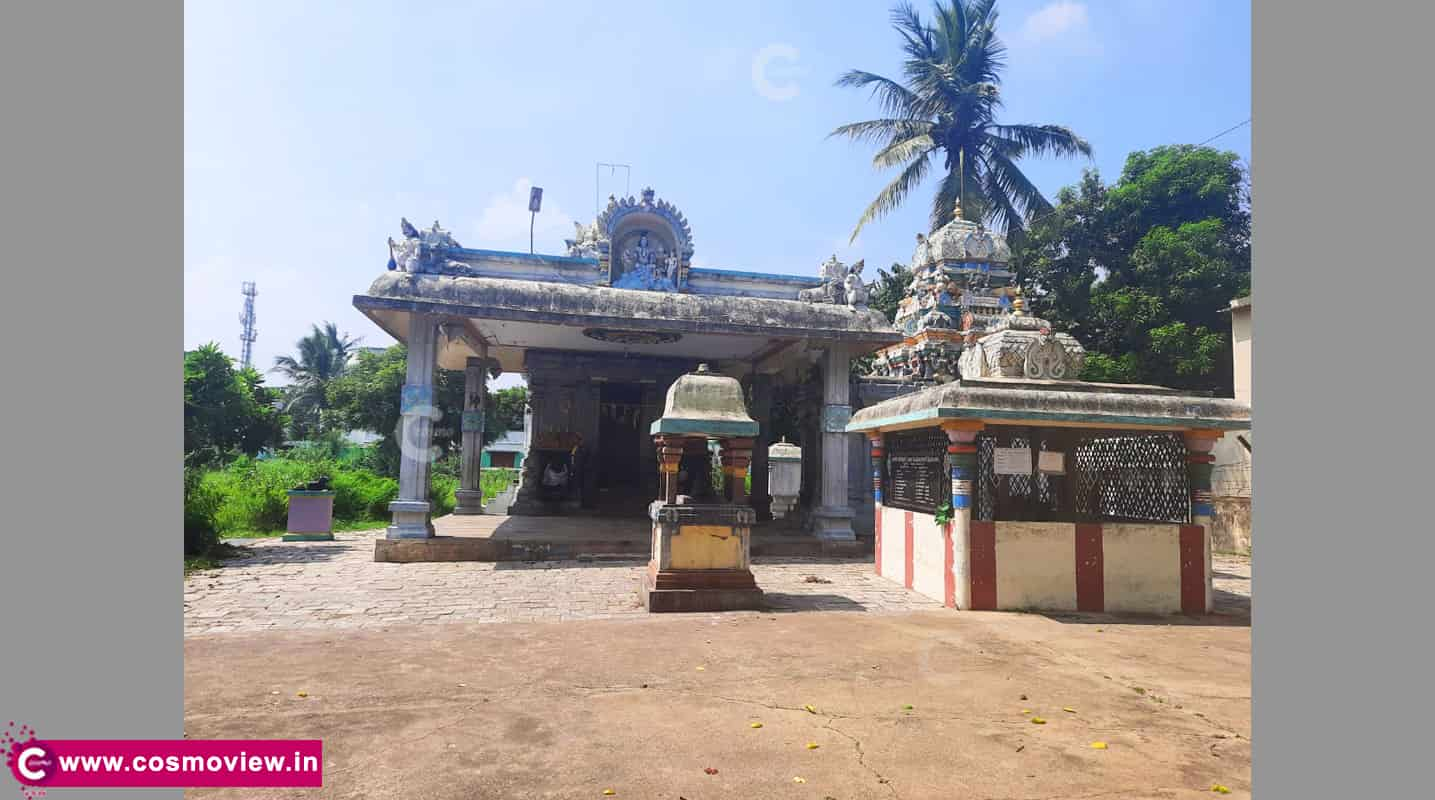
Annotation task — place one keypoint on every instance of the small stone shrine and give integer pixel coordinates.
(700, 554)
(1004, 482)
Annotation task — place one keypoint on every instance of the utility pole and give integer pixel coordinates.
(535, 203)
(247, 334)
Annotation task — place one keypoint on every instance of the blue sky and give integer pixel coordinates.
(310, 129)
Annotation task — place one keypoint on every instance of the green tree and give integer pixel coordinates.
(321, 357)
(889, 289)
(227, 411)
(946, 108)
(366, 397)
(1143, 270)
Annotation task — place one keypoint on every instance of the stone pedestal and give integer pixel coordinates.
(311, 516)
(701, 558)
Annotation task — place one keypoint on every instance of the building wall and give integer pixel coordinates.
(1231, 472)
(1048, 566)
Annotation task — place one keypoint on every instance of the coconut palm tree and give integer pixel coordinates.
(946, 108)
(322, 356)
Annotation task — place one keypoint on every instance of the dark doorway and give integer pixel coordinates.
(620, 435)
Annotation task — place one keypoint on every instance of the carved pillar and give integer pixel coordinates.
(670, 456)
(1199, 462)
(526, 499)
(736, 456)
(876, 440)
(832, 519)
(761, 501)
(962, 462)
(469, 495)
(416, 452)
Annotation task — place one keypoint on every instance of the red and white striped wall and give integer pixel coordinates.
(1048, 566)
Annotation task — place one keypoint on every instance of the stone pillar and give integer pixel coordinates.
(962, 461)
(470, 493)
(736, 456)
(417, 413)
(1199, 461)
(832, 518)
(526, 499)
(876, 440)
(760, 500)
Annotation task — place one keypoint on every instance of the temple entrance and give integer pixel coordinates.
(621, 488)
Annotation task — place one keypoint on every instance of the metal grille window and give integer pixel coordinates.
(1084, 476)
(915, 475)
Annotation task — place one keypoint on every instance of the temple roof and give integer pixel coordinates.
(506, 308)
(1059, 403)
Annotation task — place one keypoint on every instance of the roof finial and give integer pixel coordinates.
(1017, 304)
(957, 211)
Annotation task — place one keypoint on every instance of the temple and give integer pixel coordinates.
(601, 333)
(999, 479)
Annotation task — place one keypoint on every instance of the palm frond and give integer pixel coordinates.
(878, 130)
(1056, 140)
(895, 98)
(894, 193)
(902, 150)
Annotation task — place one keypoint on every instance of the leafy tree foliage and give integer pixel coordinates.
(945, 108)
(1143, 270)
(366, 397)
(227, 411)
(321, 357)
(889, 289)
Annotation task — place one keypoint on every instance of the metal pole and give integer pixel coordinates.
(531, 218)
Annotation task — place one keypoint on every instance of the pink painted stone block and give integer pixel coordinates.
(311, 512)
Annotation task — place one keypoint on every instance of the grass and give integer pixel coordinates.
(340, 526)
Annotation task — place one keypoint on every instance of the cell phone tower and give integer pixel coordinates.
(248, 334)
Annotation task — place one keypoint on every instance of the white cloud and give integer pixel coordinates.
(503, 223)
(1061, 20)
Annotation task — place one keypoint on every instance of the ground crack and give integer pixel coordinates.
(862, 757)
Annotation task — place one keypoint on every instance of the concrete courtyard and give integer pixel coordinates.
(416, 692)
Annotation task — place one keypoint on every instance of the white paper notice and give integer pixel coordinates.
(1051, 462)
(1012, 460)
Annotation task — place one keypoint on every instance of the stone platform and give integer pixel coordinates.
(522, 538)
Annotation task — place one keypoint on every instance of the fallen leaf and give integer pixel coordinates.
(906, 708)
(303, 694)
(710, 770)
(1068, 709)
(1020, 747)
(813, 745)
(1026, 711)
(702, 669)
(1219, 789)
(609, 791)
(1023, 697)
(809, 708)
(755, 725)
(799, 780)
(1038, 721)
(1098, 745)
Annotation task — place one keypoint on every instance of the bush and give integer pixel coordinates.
(201, 504)
(441, 489)
(360, 494)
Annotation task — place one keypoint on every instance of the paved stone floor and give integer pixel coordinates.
(327, 585)
(313, 585)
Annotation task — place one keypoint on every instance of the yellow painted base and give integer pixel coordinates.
(706, 547)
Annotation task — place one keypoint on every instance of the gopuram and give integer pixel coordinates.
(601, 333)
